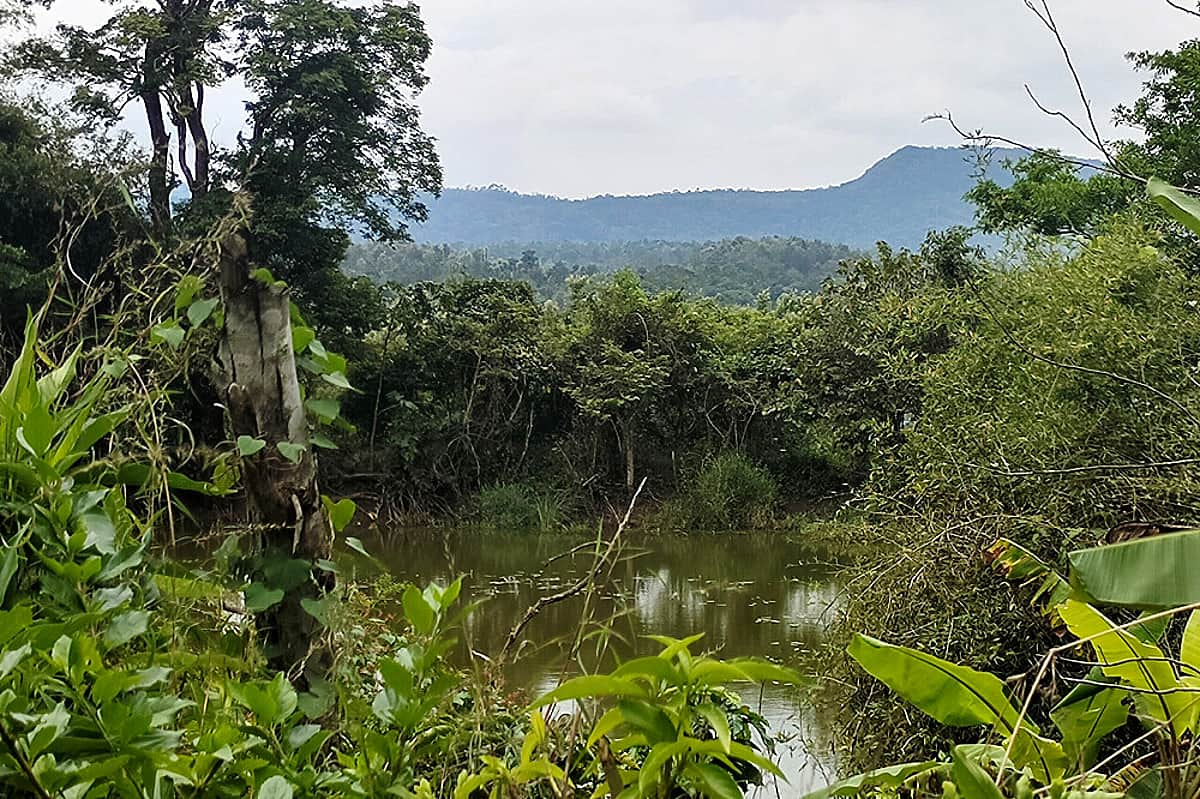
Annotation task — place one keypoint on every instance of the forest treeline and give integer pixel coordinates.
(945, 397)
(736, 271)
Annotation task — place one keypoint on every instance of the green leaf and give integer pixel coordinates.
(340, 513)
(186, 290)
(611, 719)
(417, 611)
(1183, 207)
(1189, 650)
(719, 722)
(248, 445)
(125, 627)
(336, 379)
(1085, 718)
(653, 667)
(972, 781)
(590, 686)
(886, 777)
(290, 451)
(652, 768)
(9, 562)
(322, 441)
(954, 695)
(259, 597)
(648, 720)
(275, 788)
(713, 781)
(757, 670)
(1134, 662)
(271, 701)
(1023, 566)
(170, 333)
(326, 409)
(1151, 573)
(263, 275)
(357, 545)
(302, 337)
(319, 608)
(199, 311)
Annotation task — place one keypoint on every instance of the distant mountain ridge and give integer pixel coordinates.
(898, 199)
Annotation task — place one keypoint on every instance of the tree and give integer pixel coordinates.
(333, 142)
(54, 208)
(163, 56)
(1051, 196)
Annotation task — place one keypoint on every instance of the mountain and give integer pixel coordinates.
(899, 199)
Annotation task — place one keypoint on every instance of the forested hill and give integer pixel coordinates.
(899, 199)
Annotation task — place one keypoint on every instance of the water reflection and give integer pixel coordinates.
(750, 594)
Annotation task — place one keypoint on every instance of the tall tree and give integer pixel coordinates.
(334, 141)
(162, 56)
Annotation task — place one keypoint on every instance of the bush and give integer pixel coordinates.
(730, 492)
(518, 507)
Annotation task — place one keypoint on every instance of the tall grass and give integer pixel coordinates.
(518, 507)
(730, 492)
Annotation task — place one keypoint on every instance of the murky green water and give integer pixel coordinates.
(749, 593)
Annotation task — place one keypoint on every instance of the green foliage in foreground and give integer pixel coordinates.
(1132, 675)
(670, 726)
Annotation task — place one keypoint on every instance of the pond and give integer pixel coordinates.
(759, 594)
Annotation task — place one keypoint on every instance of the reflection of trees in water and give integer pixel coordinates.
(751, 594)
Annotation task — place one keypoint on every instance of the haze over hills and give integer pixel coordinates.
(898, 200)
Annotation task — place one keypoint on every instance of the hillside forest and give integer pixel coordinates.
(224, 366)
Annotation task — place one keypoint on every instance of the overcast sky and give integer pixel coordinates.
(584, 97)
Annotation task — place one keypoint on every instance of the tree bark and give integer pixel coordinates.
(629, 473)
(194, 116)
(264, 402)
(158, 174)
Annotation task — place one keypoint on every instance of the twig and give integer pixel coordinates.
(1183, 8)
(1100, 467)
(987, 138)
(579, 585)
(1047, 19)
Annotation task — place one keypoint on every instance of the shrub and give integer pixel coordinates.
(519, 507)
(729, 493)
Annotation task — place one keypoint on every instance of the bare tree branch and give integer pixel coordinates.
(1047, 19)
(1100, 467)
(986, 139)
(1183, 8)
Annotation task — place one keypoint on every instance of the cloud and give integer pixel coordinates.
(579, 98)
(575, 97)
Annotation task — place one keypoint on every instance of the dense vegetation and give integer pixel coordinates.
(736, 271)
(898, 200)
(171, 369)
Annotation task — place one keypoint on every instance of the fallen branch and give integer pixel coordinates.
(578, 586)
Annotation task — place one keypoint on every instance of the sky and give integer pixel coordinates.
(583, 97)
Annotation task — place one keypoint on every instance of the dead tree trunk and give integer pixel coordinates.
(263, 400)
